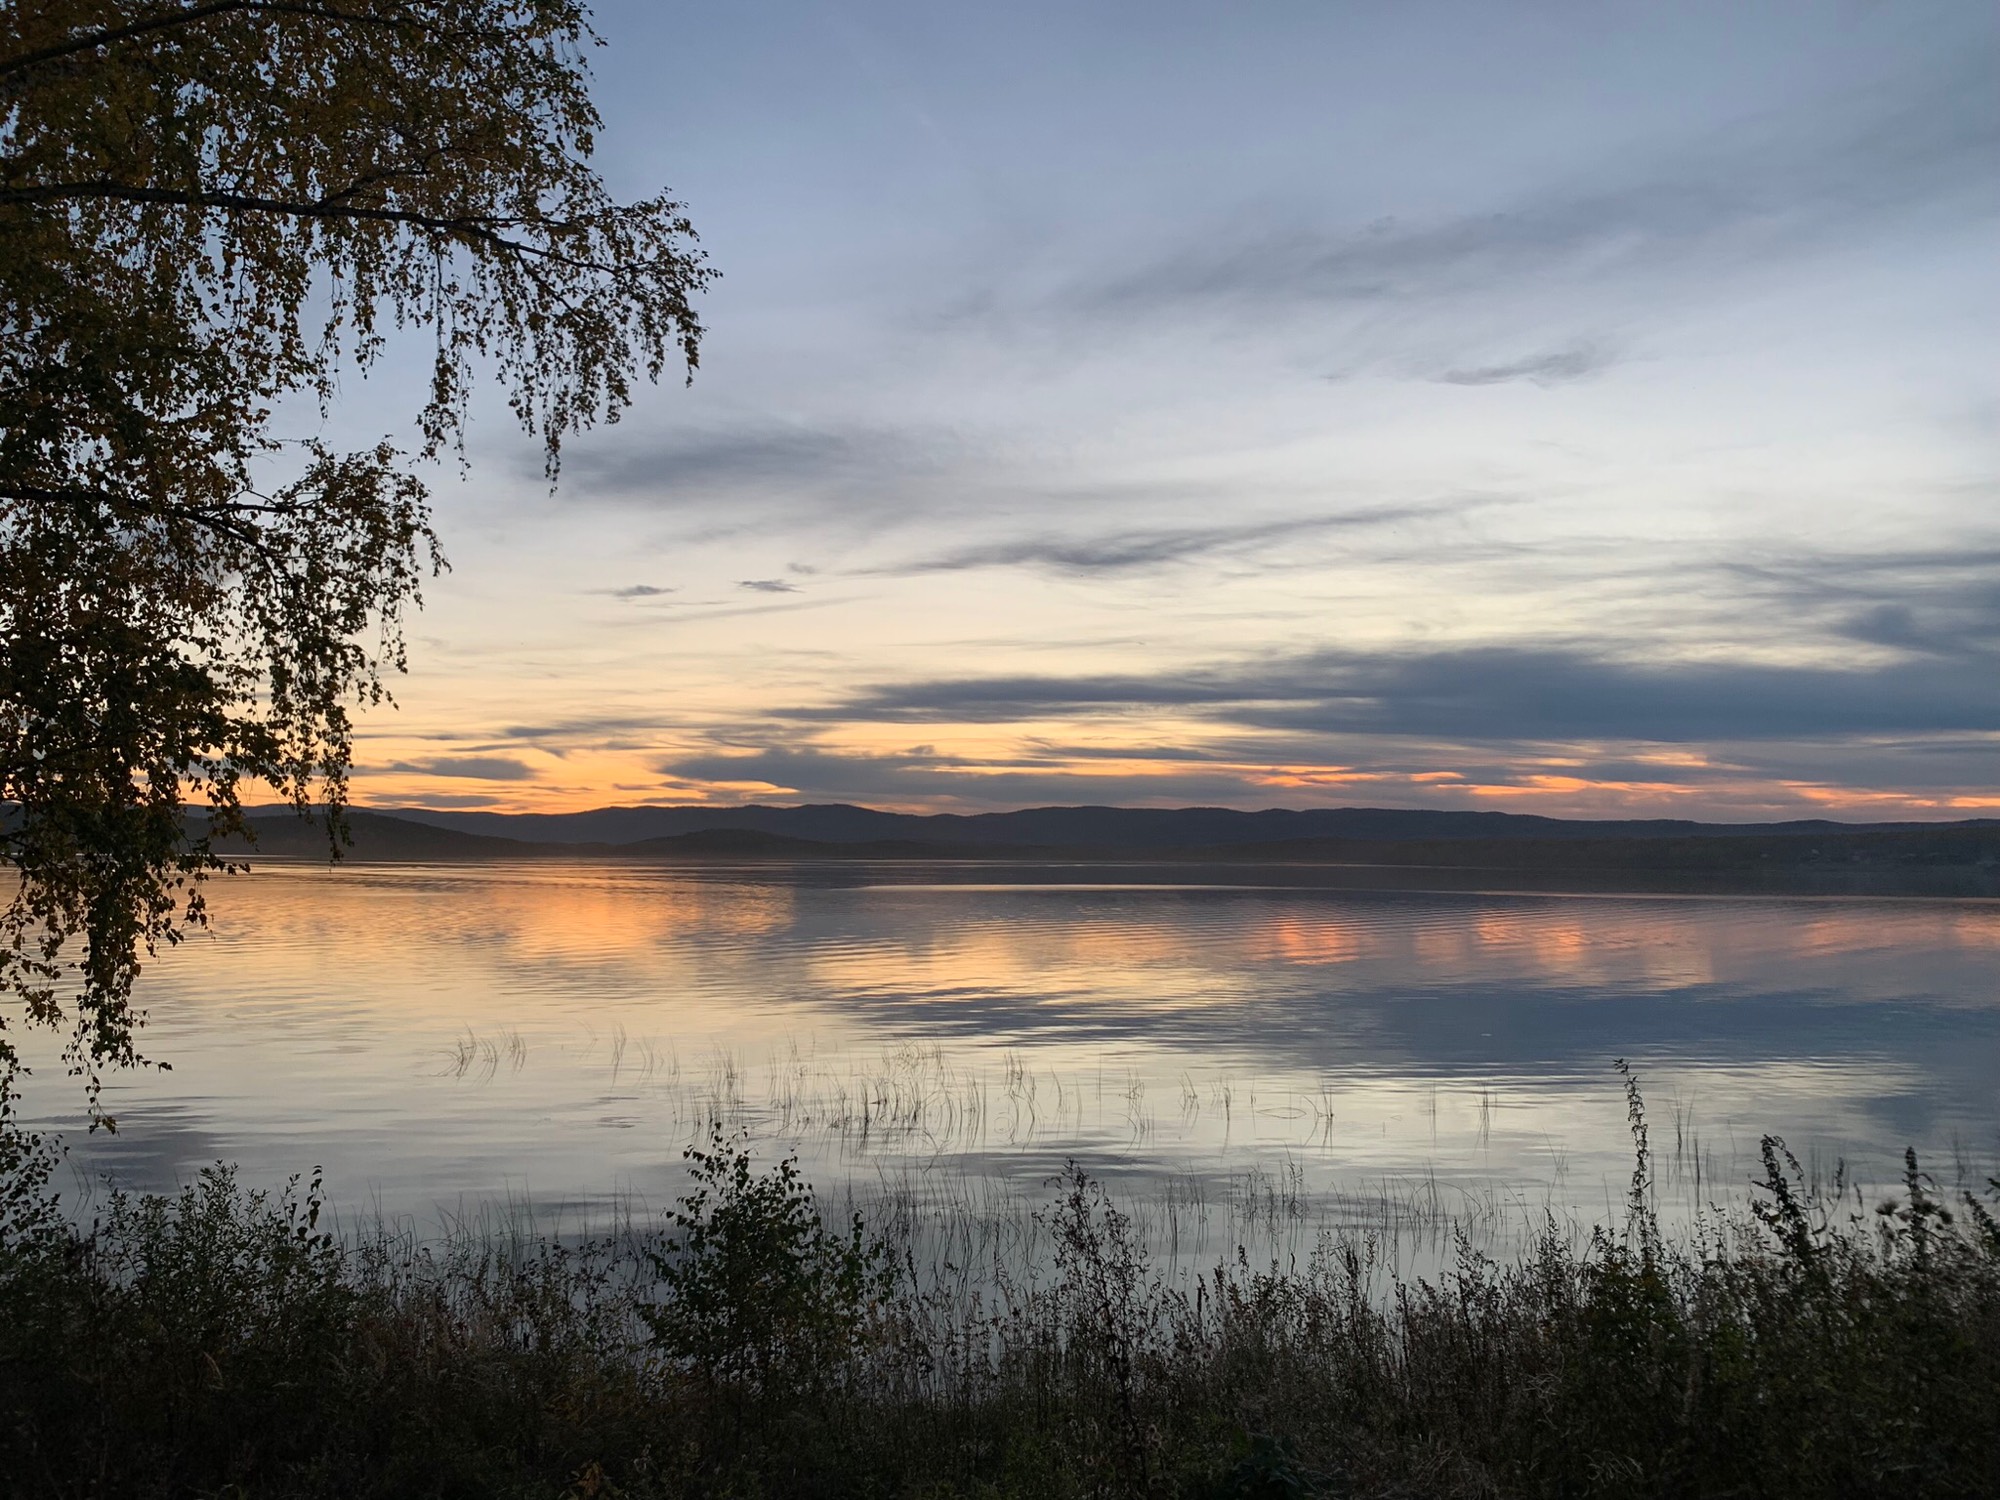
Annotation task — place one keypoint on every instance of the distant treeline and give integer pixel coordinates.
(1124, 829)
(1428, 849)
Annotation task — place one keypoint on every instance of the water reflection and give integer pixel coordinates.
(438, 1034)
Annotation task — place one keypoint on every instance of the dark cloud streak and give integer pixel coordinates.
(1484, 695)
(1556, 366)
(755, 461)
(636, 591)
(1944, 605)
(1736, 198)
(815, 774)
(1132, 550)
(471, 767)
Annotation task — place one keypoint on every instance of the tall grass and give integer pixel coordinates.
(945, 1140)
(222, 1341)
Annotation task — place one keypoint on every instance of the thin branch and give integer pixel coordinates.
(473, 229)
(217, 517)
(110, 36)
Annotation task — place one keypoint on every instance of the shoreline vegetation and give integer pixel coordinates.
(1378, 848)
(221, 1341)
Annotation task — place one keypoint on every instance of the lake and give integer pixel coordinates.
(444, 1038)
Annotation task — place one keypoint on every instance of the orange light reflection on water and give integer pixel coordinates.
(572, 1026)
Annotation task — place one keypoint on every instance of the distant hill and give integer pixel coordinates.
(375, 836)
(1133, 829)
(378, 836)
(1973, 846)
(1517, 852)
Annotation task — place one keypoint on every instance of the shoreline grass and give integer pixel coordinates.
(222, 1342)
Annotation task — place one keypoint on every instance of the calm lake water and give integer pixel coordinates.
(439, 1038)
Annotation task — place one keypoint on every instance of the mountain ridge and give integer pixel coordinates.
(1957, 859)
(1135, 829)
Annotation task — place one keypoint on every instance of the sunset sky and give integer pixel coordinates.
(1579, 408)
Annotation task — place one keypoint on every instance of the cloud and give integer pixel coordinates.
(1914, 764)
(472, 767)
(1556, 366)
(767, 585)
(593, 728)
(863, 465)
(810, 771)
(1905, 629)
(1961, 622)
(1147, 548)
(1495, 694)
(442, 801)
(636, 591)
(922, 776)
(653, 463)
(1522, 693)
(1755, 189)
(1943, 604)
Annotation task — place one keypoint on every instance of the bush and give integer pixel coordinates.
(218, 1342)
(31, 1219)
(758, 1295)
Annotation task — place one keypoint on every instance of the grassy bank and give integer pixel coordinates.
(220, 1342)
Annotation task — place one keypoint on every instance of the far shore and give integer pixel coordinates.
(1949, 861)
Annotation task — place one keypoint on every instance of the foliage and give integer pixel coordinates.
(758, 1294)
(31, 1220)
(1103, 1309)
(219, 1342)
(209, 208)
